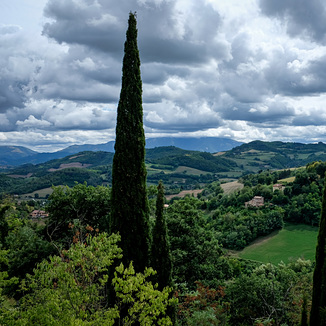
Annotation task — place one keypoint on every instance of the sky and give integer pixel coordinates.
(245, 70)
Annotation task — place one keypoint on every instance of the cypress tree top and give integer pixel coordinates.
(130, 213)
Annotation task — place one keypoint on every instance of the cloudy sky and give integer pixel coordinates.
(246, 70)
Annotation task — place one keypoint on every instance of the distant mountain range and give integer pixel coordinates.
(18, 155)
(174, 166)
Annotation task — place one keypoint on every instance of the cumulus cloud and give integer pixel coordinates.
(302, 18)
(170, 117)
(15, 68)
(244, 70)
(32, 122)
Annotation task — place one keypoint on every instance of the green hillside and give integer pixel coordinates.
(259, 155)
(179, 169)
(290, 243)
(220, 218)
(174, 166)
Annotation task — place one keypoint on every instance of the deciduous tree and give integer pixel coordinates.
(70, 290)
(84, 204)
(194, 247)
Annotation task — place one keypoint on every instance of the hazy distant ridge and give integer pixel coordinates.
(17, 155)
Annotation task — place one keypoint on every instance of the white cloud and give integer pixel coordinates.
(32, 122)
(231, 68)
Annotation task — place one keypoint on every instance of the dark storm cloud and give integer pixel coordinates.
(80, 75)
(240, 51)
(189, 40)
(183, 116)
(165, 36)
(12, 86)
(172, 43)
(246, 88)
(157, 73)
(12, 93)
(302, 17)
(85, 24)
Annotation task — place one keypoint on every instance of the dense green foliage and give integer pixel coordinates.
(67, 176)
(212, 288)
(268, 294)
(23, 246)
(205, 306)
(70, 290)
(198, 160)
(237, 230)
(300, 199)
(194, 246)
(82, 205)
(4, 228)
(27, 246)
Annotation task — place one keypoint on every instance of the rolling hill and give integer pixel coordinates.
(16, 155)
(95, 168)
(177, 168)
(258, 155)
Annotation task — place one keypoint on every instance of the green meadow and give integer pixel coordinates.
(292, 242)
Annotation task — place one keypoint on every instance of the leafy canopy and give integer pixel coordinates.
(70, 289)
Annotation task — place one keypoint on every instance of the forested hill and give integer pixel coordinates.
(176, 167)
(17, 155)
(260, 155)
(171, 164)
(280, 147)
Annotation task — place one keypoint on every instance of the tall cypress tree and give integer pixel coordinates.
(130, 211)
(161, 255)
(317, 314)
(304, 312)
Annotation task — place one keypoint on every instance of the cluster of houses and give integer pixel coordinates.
(258, 201)
(37, 214)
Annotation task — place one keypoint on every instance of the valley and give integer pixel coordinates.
(179, 169)
(242, 221)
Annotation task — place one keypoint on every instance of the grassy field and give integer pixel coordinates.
(42, 193)
(230, 187)
(286, 180)
(152, 169)
(292, 242)
(182, 169)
